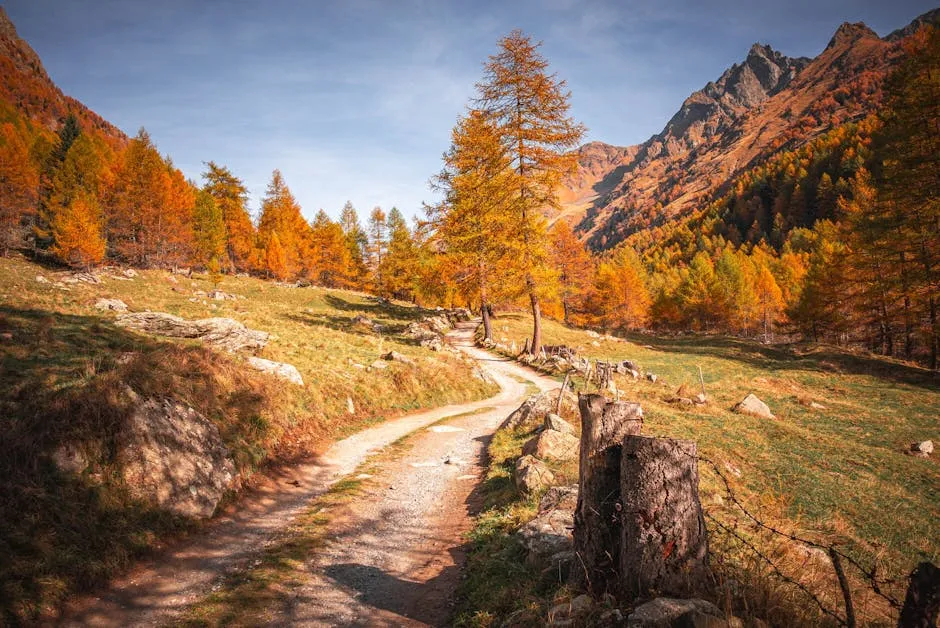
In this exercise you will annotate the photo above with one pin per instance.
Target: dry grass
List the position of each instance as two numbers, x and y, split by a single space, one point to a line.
836 474
65 366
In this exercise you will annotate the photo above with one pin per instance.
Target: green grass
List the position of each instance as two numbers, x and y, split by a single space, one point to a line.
64 366
835 475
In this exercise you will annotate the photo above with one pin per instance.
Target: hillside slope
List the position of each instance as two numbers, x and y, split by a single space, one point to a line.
767 103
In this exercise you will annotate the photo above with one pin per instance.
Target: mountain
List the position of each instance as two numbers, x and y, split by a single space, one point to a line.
756 108
26 87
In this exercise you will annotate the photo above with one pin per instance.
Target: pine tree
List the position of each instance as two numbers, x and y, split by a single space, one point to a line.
356 243
378 242
275 258
529 107
209 233
280 214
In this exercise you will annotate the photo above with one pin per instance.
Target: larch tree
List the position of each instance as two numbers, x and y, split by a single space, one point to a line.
231 196
621 298
574 265
19 180
475 220
529 107
399 266
77 231
209 250
330 256
378 242
357 243
280 215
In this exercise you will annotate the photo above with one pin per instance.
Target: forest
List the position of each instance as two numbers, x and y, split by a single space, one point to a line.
834 240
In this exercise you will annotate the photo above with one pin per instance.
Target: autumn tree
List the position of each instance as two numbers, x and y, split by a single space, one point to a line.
19 180
209 248
77 231
357 243
280 216
399 266
475 222
331 258
378 242
529 107
621 299
574 265
231 197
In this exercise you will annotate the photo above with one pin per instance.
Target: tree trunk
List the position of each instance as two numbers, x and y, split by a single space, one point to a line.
664 548
597 517
487 327
922 604
934 335
536 322
564 304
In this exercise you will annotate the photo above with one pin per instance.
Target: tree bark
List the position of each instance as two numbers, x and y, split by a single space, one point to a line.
487 327
922 604
597 517
536 322
664 548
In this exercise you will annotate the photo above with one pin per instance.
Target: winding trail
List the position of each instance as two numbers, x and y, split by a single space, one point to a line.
395 555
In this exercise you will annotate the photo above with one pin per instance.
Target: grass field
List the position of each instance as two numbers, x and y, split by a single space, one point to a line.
836 474
64 365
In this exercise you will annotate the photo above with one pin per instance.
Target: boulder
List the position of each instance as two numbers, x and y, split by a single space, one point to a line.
754 406
578 608
394 356
559 498
218 295
70 458
922 449
434 344
532 475
222 333
82 278
172 457
113 305
130 273
664 612
651 377
555 422
379 364
278 369
553 444
41 279
547 535
534 409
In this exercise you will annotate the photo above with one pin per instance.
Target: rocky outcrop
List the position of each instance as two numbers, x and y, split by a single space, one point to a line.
113 305
221 333
664 612
555 422
532 475
546 535
533 410
172 457
281 370
552 444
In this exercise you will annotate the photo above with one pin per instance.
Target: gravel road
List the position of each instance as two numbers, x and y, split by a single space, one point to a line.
397 555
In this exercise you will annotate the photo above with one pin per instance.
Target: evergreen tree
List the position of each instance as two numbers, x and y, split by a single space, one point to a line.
231 196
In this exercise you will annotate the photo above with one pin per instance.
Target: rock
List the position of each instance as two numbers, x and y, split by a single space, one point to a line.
630 366
434 344
547 535
754 406
394 356
553 444
350 406
363 321
651 377
613 617
218 295
532 475
594 343
700 399
533 410
922 449
173 457
70 459
555 422
635 374
592 334
816 406
664 612
83 278
559 497
223 333
379 364
41 279
114 305
281 370
130 273
579 607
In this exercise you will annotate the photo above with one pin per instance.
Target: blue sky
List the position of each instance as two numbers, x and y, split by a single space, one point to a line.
355 99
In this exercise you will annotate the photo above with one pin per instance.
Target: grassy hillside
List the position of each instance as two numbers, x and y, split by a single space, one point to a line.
835 474
64 364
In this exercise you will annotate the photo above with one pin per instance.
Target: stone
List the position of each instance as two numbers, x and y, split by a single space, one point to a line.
552 444
922 449
394 356
379 364
555 422
700 399
114 305
664 612
630 365
816 406
218 295
754 406
533 410
578 607
651 377
559 497
592 334
172 457
41 279
222 333
546 535
280 370
82 278
130 273
434 344
532 475
69 458
350 406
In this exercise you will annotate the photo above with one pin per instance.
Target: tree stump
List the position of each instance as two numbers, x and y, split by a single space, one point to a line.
922 604
597 517
664 549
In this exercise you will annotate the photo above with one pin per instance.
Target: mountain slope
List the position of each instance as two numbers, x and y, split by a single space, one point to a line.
767 103
25 84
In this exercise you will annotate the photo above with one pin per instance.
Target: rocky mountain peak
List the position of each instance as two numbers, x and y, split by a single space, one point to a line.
849 33
6 26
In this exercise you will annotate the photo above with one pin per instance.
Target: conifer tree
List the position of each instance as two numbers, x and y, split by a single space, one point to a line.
575 268
356 243
77 232
280 214
19 180
529 107
209 233
621 298
231 196
378 242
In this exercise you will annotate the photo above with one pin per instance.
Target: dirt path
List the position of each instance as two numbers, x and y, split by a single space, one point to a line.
428 505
